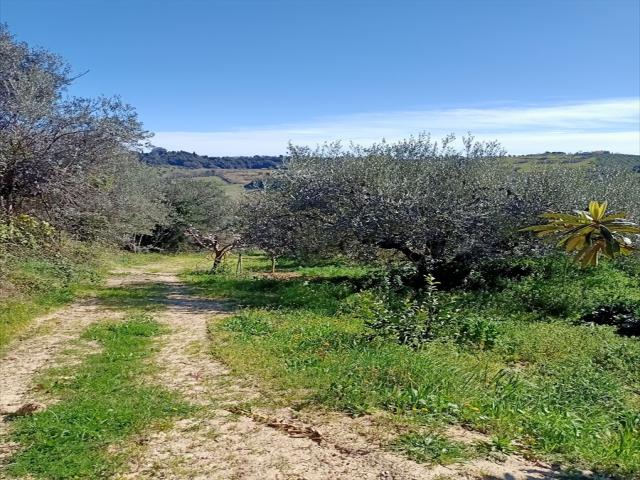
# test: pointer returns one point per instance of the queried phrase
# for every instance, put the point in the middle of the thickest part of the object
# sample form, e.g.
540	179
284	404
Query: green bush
478	332
24	231
553	287
410	320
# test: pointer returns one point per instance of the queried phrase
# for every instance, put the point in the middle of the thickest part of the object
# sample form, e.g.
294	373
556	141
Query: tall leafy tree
58	152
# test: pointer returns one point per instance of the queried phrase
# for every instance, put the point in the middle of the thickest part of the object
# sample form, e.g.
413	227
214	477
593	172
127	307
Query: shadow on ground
155	296
543	474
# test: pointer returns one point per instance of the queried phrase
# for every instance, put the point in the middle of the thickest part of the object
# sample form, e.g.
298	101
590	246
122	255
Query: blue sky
247	76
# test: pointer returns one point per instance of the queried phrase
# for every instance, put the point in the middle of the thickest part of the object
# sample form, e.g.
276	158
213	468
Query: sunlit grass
34	285
103	401
561	391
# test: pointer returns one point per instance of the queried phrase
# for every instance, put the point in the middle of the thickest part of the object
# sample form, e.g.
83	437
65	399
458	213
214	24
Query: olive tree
265	222
66	158
221	235
442	207
192	204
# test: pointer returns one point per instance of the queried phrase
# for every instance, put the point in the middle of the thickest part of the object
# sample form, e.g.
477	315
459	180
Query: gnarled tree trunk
211	243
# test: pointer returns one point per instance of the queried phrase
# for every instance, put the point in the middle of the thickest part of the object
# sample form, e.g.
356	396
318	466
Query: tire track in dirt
44	340
224	442
35	351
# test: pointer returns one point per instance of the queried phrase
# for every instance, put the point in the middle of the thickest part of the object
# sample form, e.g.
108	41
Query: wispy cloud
611	124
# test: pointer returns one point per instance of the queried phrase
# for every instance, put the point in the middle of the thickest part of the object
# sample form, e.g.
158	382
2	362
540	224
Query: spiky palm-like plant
590	234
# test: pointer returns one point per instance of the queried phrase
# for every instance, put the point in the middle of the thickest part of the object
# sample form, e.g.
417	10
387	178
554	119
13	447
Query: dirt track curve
223	441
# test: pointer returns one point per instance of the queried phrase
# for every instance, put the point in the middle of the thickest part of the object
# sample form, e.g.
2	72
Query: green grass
432	449
102	402
32	283
556	288
317	288
562	391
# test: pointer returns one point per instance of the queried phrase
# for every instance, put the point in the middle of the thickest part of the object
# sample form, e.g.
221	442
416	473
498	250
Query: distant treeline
162	156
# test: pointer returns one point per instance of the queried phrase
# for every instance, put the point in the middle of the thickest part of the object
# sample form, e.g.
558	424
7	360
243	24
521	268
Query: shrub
410	320
24	231
479	332
557	290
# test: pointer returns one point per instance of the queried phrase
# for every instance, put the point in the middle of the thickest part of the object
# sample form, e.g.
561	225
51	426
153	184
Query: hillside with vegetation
162	157
236	173
413	310
580	159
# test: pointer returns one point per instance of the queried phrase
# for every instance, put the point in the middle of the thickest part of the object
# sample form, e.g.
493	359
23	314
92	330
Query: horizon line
611	124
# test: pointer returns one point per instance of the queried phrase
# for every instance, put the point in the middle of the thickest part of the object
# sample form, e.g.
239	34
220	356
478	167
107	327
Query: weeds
432	449
559	390
33	283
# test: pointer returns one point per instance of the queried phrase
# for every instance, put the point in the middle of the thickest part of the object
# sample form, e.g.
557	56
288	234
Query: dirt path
227	443
223	441
34	352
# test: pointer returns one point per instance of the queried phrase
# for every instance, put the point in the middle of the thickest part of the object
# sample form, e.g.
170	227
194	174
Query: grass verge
102	402
558	390
33	283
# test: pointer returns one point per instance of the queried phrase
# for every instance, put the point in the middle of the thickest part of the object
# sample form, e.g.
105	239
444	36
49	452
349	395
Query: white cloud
612	124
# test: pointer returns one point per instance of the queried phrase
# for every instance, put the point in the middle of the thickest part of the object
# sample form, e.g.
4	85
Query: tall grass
560	390
34	282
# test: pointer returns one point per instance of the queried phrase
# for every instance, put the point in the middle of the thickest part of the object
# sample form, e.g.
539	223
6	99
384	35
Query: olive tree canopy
443	208
68	159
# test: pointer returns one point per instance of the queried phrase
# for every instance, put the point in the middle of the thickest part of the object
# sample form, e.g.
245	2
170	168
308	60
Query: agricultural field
579	160
232	180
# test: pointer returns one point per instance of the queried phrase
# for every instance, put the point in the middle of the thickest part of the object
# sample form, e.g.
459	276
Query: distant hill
164	157
601	158
191	160
238	174
233	180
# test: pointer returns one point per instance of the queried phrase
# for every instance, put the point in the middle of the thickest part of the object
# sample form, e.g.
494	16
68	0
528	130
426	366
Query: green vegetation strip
433	449
37	284
556	389
104	401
